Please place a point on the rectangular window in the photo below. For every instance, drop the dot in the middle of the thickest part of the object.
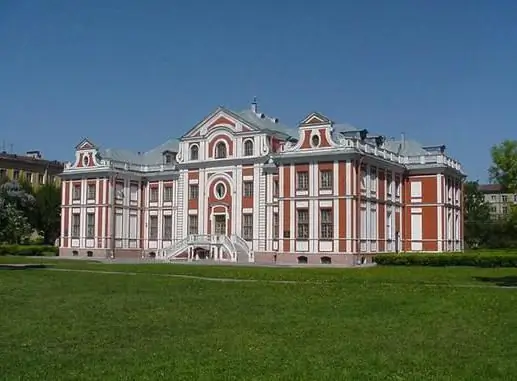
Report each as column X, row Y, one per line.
column 302, row 231
column 193, row 192
column 167, row 228
column 192, row 224
column 3, row 173
column 153, row 194
column 28, row 177
column 16, row 174
column 326, row 180
column 362, row 176
column 133, row 226
column 397, row 186
column 247, row 227
column 276, row 226
column 389, row 185
column 92, row 188
column 41, row 178
column 153, row 227
column 504, row 198
column 373, row 180
column 302, row 180
column 248, row 189
column 167, row 193
column 276, row 188
column 133, row 190
column 76, row 225
column 90, row 225
column 326, row 224
column 76, row 192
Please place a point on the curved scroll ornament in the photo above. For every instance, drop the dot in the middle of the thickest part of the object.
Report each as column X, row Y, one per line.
column 179, row 156
column 288, row 146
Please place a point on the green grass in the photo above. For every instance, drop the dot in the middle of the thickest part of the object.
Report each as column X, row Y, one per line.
column 335, row 324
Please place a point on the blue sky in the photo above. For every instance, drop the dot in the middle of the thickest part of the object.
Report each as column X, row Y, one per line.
column 131, row 73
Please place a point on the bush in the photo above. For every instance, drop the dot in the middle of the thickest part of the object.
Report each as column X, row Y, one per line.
column 29, row 250
column 442, row 260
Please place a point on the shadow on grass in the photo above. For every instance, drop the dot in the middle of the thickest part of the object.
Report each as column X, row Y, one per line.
column 22, row 266
column 503, row 281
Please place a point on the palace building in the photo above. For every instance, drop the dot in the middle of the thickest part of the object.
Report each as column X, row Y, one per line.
column 241, row 186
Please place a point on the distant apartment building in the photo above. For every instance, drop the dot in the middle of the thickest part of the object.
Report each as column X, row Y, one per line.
column 498, row 200
column 30, row 167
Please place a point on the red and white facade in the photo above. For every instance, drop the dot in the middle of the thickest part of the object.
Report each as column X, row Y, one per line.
column 241, row 187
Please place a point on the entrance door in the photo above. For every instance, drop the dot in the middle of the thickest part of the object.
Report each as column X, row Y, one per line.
column 220, row 224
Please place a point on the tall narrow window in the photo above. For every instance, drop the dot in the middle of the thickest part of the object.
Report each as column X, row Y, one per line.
column 302, row 231
column 220, row 150
column 389, row 185
column 326, row 179
column 167, row 228
column 193, row 192
column 193, row 224
column 326, row 224
column 248, row 189
column 76, row 192
column 92, row 188
column 363, row 175
column 76, row 225
column 194, row 152
column 276, row 226
column 302, row 181
column 276, row 188
column 153, row 194
column 373, row 180
column 153, row 227
column 247, row 227
column 248, row 148
column 90, row 225
column 167, row 193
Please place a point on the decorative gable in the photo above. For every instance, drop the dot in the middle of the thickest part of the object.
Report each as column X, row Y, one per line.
column 219, row 118
column 315, row 119
column 86, row 155
column 85, row 145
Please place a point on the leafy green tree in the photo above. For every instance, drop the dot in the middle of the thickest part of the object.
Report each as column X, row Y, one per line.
column 477, row 215
column 503, row 170
column 48, row 212
column 15, row 204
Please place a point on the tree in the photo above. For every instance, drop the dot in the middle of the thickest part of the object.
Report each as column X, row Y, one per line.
column 477, row 215
column 503, row 170
column 15, row 205
column 48, row 212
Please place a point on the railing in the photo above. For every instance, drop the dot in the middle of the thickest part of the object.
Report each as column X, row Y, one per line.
column 173, row 250
column 233, row 245
column 228, row 245
column 244, row 245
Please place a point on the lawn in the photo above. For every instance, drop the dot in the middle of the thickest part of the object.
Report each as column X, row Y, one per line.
column 332, row 324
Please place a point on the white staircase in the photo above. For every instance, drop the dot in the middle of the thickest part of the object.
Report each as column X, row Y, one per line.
column 219, row 247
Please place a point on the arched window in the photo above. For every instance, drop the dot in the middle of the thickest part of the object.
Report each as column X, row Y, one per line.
column 194, row 152
column 248, row 148
column 220, row 150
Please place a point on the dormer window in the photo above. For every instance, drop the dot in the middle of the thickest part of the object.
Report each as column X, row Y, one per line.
column 168, row 157
column 248, row 148
column 220, row 150
column 194, row 152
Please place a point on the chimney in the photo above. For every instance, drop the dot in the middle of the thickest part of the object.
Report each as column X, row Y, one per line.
column 403, row 139
column 254, row 106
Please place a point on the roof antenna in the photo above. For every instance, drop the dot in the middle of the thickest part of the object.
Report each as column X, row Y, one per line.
column 254, row 105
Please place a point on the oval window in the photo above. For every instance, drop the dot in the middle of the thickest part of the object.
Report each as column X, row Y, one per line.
column 315, row 140
column 220, row 190
column 86, row 160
